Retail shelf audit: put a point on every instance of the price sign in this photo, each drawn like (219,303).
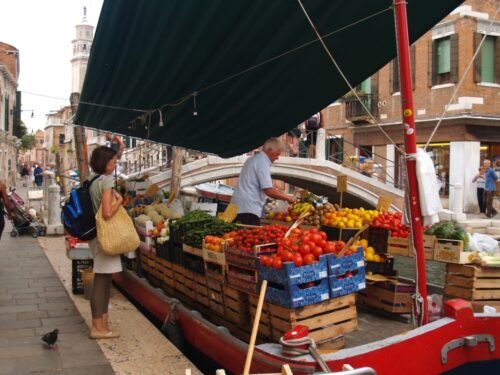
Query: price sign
(341,184)
(384,203)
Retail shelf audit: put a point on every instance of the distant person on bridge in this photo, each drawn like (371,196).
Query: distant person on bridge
(255,184)
(115,142)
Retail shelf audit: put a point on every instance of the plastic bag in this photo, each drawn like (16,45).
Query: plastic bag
(176,205)
(435,302)
(483,242)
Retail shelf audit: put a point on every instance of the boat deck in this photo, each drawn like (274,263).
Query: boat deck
(373,327)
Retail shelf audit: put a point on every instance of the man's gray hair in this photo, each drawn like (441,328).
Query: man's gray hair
(273,144)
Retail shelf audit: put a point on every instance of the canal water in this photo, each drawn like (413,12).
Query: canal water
(435,271)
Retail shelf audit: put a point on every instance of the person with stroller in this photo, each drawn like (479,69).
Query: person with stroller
(5,204)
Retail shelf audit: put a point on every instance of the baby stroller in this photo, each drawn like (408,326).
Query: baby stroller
(22,221)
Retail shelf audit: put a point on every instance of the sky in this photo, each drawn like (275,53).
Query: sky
(42,31)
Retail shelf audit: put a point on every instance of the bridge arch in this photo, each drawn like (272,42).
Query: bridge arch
(319,176)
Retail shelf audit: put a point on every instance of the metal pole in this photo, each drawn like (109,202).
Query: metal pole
(410,137)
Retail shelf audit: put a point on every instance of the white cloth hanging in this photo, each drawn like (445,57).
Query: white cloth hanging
(428,188)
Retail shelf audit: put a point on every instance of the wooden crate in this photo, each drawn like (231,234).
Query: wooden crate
(216,296)
(472,282)
(235,305)
(451,251)
(325,320)
(201,289)
(184,281)
(391,296)
(403,246)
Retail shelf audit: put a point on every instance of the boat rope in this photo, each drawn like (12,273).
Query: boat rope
(340,71)
(292,347)
(170,317)
(459,85)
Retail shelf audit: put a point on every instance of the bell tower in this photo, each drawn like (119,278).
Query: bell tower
(81,52)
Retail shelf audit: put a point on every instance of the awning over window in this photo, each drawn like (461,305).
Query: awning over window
(228,74)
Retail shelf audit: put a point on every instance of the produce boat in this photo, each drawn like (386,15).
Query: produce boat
(217,191)
(460,343)
(244,108)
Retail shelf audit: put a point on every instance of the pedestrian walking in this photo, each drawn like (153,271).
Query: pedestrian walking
(25,175)
(38,173)
(479,180)
(490,178)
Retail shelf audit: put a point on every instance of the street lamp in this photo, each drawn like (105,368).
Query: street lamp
(15,110)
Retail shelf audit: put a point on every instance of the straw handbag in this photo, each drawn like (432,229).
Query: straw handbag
(117,235)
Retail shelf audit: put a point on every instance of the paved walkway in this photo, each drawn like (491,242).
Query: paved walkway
(34,301)
(36,297)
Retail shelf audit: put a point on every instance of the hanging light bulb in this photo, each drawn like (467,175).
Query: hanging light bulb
(160,124)
(195,111)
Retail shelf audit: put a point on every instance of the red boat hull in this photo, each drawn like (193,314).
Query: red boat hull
(417,352)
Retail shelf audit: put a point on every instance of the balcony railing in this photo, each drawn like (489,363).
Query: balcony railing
(356,113)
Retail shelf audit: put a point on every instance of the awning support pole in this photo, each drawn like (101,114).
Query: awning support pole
(403,45)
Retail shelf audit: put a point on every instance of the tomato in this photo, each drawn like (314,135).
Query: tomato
(317,252)
(322,234)
(263,260)
(316,238)
(286,255)
(321,243)
(304,249)
(329,248)
(339,245)
(277,263)
(297,260)
(309,259)
(306,238)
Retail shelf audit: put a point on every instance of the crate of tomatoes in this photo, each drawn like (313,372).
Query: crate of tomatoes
(297,273)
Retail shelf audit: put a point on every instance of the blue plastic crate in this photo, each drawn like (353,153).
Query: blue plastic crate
(341,286)
(339,266)
(293,275)
(297,295)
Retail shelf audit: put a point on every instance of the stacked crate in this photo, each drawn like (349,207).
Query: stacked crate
(346,274)
(480,285)
(326,320)
(293,286)
(242,266)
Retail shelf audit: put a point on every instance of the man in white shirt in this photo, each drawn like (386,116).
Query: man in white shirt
(255,184)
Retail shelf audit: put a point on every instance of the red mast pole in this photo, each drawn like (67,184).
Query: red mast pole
(410,136)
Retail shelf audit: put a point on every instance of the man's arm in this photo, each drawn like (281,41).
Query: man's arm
(276,194)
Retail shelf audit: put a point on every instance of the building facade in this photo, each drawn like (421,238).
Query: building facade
(9,74)
(469,128)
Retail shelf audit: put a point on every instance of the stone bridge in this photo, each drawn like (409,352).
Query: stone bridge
(319,176)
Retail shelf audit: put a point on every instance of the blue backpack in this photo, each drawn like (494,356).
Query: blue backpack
(77,215)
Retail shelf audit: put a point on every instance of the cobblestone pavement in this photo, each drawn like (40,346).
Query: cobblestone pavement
(33,301)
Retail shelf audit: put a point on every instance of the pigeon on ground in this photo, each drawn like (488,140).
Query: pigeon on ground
(50,338)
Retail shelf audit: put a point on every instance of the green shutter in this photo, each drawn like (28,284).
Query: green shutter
(302,148)
(395,75)
(443,56)
(453,50)
(477,61)
(497,60)
(488,60)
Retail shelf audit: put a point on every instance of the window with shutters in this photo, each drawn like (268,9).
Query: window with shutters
(443,60)
(394,72)
(487,63)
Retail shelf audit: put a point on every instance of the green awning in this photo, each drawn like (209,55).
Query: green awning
(251,69)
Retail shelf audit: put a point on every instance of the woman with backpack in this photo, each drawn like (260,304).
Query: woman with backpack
(102,193)
(5,204)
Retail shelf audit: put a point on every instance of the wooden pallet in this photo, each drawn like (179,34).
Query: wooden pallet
(326,320)
(472,282)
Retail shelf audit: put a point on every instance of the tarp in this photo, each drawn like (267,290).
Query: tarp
(228,74)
